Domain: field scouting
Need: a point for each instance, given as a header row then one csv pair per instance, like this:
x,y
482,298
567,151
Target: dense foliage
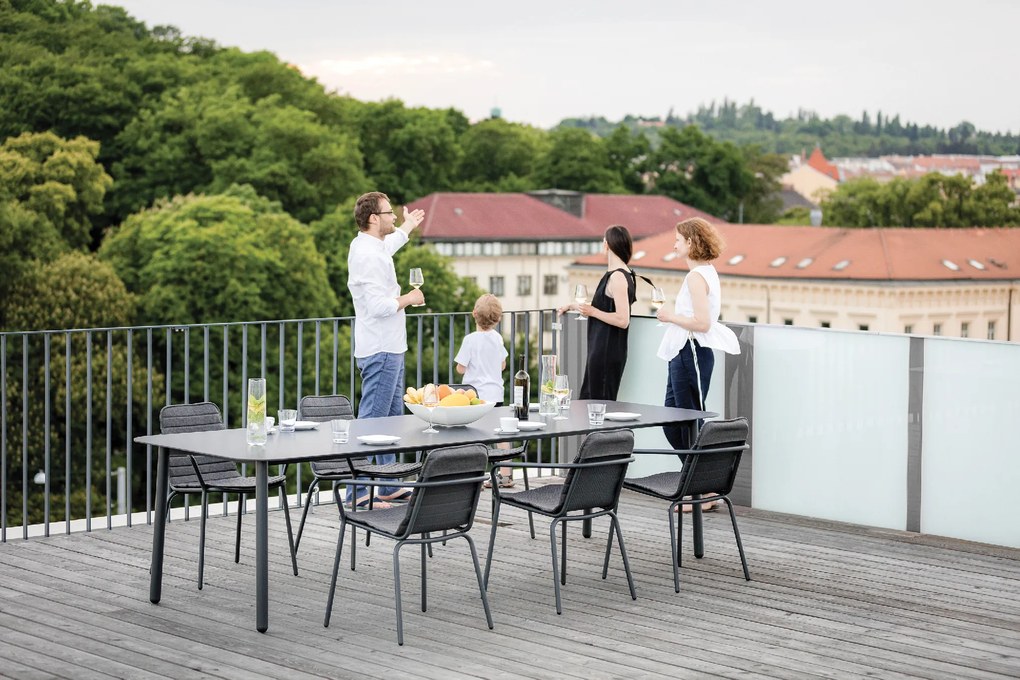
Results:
x,y
842,135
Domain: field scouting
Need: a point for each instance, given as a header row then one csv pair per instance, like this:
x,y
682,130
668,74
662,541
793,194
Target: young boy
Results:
x,y
482,359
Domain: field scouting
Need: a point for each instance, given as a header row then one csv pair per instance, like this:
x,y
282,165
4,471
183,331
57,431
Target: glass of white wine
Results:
x,y
561,388
658,299
430,400
580,297
417,281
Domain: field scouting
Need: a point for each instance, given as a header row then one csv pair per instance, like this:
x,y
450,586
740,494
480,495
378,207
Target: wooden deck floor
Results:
x,y
827,600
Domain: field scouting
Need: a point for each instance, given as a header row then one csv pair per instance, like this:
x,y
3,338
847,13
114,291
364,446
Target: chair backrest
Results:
x,y
714,473
320,409
326,407
451,506
199,417
598,487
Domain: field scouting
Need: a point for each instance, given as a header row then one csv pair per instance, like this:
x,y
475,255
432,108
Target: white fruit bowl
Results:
x,y
451,415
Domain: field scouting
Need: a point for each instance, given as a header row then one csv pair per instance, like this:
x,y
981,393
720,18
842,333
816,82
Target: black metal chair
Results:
x,y
498,456
342,470
445,498
190,473
591,489
709,468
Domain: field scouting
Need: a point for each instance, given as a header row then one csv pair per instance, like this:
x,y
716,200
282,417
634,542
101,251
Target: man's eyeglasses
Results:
x,y
388,212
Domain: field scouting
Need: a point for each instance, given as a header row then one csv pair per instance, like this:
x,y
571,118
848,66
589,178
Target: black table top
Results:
x,y
303,445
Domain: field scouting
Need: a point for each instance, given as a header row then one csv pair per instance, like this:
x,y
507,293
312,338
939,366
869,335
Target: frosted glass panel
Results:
x,y
644,382
971,448
830,424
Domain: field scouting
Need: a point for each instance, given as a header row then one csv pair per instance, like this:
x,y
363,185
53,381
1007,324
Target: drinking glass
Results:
x,y
596,414
430,400
288,417
580,297
341,429
417,280
658,299
562,391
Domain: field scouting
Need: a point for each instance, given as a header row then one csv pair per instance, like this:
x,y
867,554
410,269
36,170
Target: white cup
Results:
x,y
509,424
341,430
288,417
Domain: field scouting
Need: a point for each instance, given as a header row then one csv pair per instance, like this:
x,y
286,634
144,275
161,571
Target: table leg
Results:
x,y
261,546
699,538
159,525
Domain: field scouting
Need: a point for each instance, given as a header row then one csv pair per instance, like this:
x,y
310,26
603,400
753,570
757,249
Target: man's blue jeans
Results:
x,y
382,394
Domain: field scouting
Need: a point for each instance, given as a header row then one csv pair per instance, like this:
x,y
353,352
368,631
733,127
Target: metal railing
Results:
x,y
71,401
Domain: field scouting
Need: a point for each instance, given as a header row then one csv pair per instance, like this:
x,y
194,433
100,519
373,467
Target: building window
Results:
x,y
787,322
964,329
991,330
908,329
524,285
496,285
826,324
551,284
751,318
862,326
936,329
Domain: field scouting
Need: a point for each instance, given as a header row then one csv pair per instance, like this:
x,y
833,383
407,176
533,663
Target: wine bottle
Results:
x,y
522,391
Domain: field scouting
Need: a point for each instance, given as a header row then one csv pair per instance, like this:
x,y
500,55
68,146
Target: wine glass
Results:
x,y
417,281
580,297
430,400
561,388
658,299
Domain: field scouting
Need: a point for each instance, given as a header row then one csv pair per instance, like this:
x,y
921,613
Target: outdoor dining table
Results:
x,y
317,444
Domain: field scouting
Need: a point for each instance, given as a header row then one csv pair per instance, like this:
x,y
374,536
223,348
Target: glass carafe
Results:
x,y
257,411
548,404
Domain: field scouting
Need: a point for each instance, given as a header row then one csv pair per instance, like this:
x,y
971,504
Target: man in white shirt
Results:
x,y
380,334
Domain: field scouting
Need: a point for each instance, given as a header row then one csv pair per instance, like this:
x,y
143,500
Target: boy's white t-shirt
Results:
x,y
482,353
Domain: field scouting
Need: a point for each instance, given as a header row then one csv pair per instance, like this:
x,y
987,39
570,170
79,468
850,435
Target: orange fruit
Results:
x,y
443,392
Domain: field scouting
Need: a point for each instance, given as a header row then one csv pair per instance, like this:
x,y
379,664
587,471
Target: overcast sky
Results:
x,y
933,62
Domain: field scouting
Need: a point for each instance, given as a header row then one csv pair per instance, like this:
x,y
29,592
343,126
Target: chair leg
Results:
x,y
237,538
674,545
290,534
336,568
623,552
396,593
478,575
563,562
556,567
424,582
605,562
304,513
492,542
201,540
736,535
531,517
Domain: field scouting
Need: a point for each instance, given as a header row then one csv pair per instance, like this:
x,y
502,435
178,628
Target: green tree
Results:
x,y
204,139
578,161
49,189
628,156
498,153
201,259
695,169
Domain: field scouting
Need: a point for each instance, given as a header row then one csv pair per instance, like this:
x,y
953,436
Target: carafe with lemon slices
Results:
x,y
256,411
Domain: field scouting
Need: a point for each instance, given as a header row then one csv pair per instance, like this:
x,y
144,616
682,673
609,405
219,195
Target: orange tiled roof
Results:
x,y
780,252
819,163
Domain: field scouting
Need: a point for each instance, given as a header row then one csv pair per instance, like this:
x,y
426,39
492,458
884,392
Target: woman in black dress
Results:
x,y
608,319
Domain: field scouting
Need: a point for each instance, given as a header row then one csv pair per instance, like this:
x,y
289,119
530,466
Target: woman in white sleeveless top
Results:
x,y
693,324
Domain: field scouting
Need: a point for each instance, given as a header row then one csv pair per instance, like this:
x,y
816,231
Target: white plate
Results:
x,y
622,415
378,439
306,425
523,427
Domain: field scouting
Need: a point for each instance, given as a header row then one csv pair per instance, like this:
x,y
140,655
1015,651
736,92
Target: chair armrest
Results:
x,y
569,466
694,452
